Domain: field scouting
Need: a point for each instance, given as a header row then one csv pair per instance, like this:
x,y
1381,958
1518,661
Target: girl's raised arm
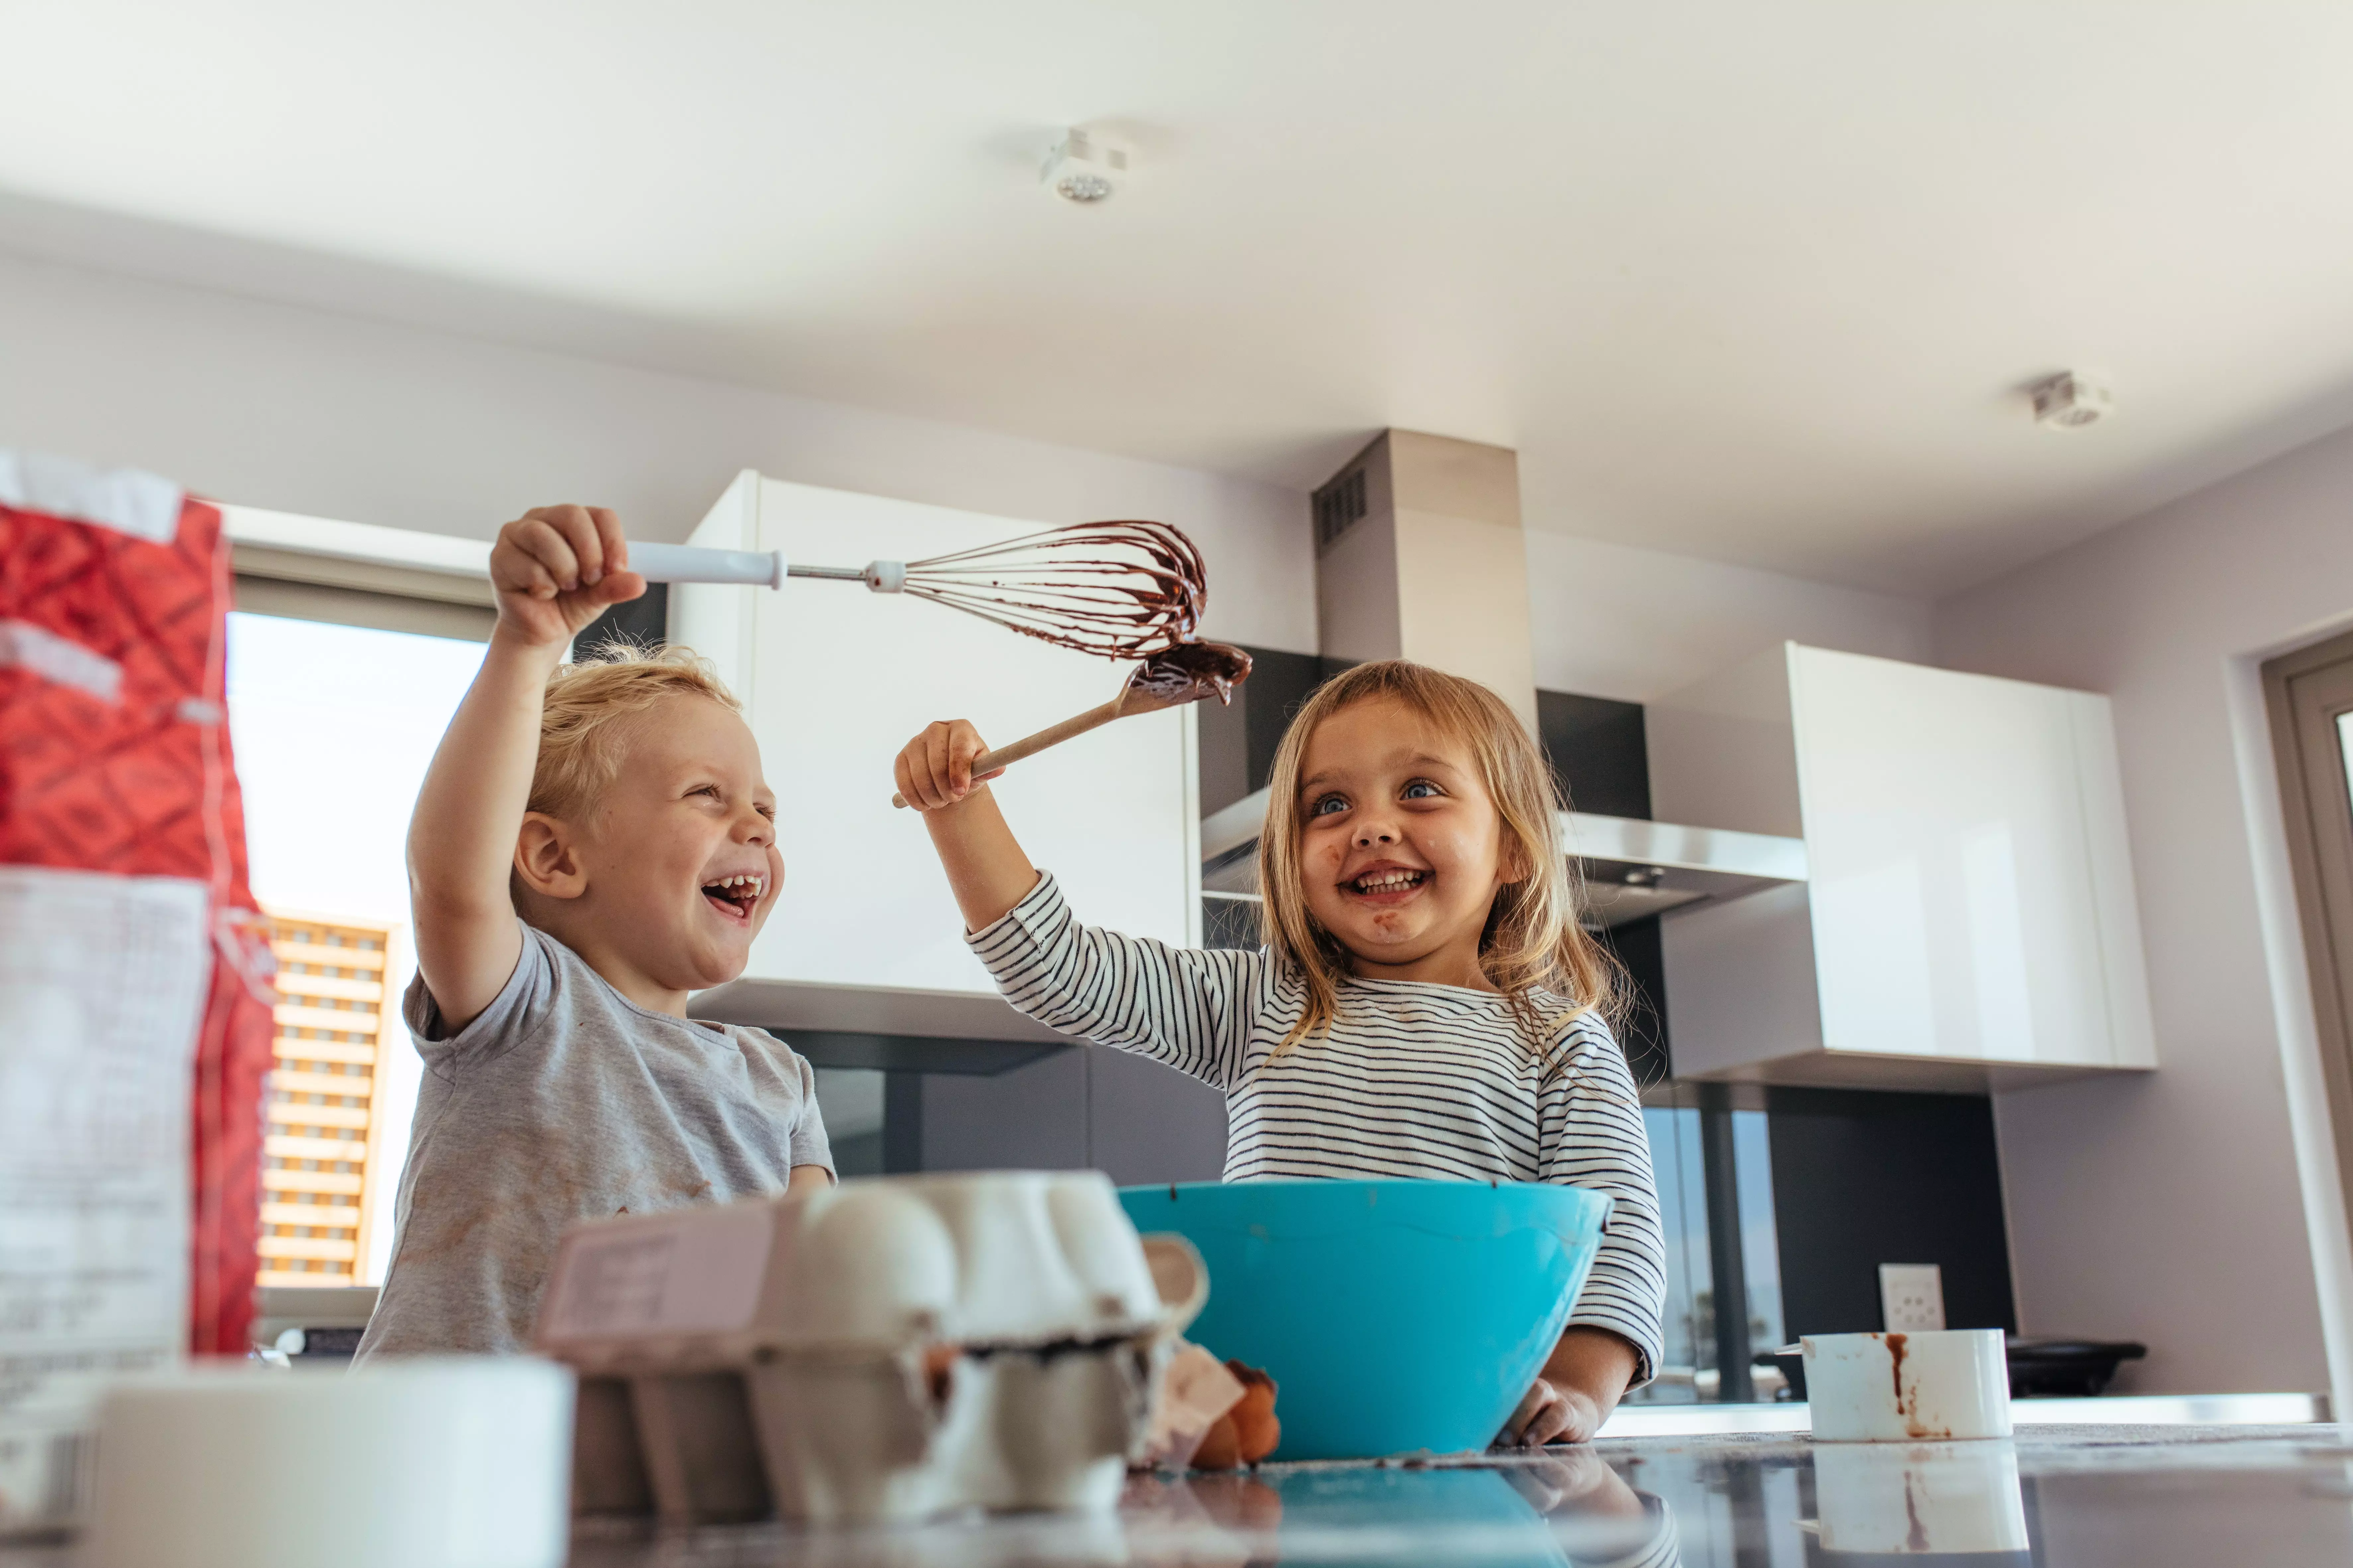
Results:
x,y
1179,1006
983,860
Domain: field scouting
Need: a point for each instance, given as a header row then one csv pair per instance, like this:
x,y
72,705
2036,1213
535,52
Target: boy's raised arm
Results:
x,y
555,568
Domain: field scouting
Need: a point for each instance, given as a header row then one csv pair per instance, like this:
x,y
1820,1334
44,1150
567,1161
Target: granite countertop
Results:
x,y
2054,1497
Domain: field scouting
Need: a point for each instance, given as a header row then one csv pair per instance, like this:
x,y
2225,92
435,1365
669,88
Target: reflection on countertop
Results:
x,y
2097,1497
1573,1507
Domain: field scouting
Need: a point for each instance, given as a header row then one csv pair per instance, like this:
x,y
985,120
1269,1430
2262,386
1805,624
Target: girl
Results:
x,y
1426,1005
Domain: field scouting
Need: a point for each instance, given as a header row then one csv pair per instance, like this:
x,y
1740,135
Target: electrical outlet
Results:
x,y
1912,1297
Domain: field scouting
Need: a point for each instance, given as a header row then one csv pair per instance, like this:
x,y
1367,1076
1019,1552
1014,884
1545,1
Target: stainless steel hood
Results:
x,y
1632,868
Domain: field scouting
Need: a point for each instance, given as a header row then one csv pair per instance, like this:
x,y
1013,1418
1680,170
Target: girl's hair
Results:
x,y
1532,937
582,736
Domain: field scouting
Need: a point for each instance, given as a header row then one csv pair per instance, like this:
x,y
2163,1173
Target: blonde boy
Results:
x,y
593,843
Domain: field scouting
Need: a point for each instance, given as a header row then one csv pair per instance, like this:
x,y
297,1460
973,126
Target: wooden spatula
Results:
x,y
1185,673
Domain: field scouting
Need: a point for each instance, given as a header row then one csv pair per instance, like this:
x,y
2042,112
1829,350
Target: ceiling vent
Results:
x,y
1338,505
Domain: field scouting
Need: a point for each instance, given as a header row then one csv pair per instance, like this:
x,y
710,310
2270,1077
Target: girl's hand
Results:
x,y
1552,1413
935,768
1575,1391
1574,1482
556,568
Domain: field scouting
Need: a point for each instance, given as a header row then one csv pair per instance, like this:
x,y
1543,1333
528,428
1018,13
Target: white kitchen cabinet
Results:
x,y
835,680
1969,919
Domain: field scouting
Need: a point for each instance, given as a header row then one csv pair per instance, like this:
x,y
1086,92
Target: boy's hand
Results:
x,y
556,568
935,768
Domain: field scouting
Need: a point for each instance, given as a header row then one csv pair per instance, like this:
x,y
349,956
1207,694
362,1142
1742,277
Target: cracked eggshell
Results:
x,y
1195,1390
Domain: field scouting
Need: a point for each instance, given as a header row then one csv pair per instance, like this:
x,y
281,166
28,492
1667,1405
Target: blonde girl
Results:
x,y
1426,1005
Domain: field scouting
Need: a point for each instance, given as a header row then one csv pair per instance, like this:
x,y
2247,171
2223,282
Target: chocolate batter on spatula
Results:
x,y
1191,671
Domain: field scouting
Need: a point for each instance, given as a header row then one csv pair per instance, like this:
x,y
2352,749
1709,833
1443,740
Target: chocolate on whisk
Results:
x,y
1120,590
1097,606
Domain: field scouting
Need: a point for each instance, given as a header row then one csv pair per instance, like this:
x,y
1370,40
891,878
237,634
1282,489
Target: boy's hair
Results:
x,y
1532,938
581,726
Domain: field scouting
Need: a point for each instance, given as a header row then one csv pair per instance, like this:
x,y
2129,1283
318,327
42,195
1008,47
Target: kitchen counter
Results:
x,y
2054,1497
2084,1496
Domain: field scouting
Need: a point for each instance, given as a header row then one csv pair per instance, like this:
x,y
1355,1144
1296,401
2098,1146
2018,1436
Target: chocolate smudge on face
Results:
x,y
1190,672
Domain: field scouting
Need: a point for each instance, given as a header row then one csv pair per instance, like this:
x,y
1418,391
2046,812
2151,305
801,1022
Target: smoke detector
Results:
x,y
2071,400
1083,168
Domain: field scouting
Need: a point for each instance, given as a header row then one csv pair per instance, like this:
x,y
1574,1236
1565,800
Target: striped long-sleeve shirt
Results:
x,y
1412,1080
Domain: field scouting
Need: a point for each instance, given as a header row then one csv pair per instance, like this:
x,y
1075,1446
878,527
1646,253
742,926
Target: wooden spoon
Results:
x,y
1185,673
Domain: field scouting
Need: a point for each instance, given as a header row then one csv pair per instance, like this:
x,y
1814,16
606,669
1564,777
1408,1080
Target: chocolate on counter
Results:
x,y
1191,671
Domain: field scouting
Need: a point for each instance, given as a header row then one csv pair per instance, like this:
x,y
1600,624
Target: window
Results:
x,y
1689,1321
342,678
1680,1120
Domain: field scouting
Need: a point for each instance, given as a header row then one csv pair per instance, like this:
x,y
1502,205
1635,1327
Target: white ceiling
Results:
x,y
1751,282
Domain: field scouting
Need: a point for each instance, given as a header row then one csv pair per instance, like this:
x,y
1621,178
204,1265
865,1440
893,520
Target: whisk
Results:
x,y
1120,590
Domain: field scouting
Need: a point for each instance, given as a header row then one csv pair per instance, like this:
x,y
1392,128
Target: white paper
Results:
x,y
102,984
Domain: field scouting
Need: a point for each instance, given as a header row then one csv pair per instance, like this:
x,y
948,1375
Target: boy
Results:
x,y
592,844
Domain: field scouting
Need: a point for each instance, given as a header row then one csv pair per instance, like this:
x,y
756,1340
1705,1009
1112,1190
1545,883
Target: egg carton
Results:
x,y
886,1349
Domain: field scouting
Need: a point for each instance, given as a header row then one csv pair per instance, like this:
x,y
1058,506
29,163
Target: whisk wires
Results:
x,y
1122,590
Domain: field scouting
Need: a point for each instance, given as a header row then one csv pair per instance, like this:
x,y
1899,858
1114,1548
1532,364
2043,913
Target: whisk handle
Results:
x,y
762,568
882,576
691,564
1030,745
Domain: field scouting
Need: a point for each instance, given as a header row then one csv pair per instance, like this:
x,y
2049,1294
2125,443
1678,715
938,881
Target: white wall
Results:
x,y
1609,620
308,411
2195,1208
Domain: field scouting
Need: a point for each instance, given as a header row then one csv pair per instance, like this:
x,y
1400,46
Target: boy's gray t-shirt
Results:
x,y
565,1101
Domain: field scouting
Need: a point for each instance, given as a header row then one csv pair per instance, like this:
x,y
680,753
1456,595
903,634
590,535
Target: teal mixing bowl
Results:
x,y
1393,1316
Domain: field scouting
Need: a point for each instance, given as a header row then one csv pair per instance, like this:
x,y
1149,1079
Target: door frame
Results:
x,y
2304,691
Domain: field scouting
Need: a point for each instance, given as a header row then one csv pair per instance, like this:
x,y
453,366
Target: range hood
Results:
x,y
1632,868
1418,556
